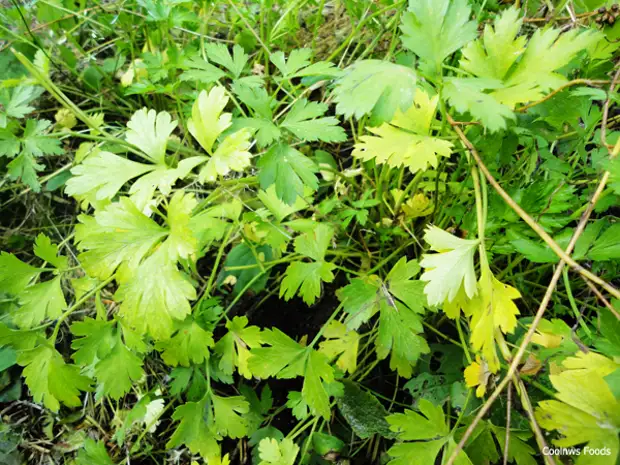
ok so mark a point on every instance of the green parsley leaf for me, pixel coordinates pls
(302, 120)
(118, 371)
(38, 302)
(46, 251)
(50, 379)
(15, 275)
(233, 346)
(190, 344)
(435, 29)
(375, 87)
(289, 170)
(93, 453)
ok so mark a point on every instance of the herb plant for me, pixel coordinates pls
(310, 232)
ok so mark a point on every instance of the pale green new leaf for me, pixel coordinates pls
(119, 233)
(448, 269)
(231, 155)
(341, 343)
(314, 243)
(435, 29)
(273, 452)
(155, 295)
(103, 174)
(38, 302)
(50, 379)
(207, 121)
(149, 131)
(375, 87)
(586, 410)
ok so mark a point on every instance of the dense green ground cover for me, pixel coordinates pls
(309, 232)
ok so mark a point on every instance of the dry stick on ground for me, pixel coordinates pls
(512, 370)
(574, 82)
(529, 220)
(508, 415)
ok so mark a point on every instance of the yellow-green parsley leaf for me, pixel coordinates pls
(46, 251)
(38, 302)
(93, 453)
(207, 121)
(341, 343)
(376, 87)
(15, 275)
(289, 170)
(149, 131)
(118, 234)
(586, 410)
(450, 268)
(490, 309)
(298, 64)
(181, 242)
(227, 413)
(234, 346)
(162, 178)
(430, 432)
(190, 344)
(155, 295)
(50, 379)
(435, 29)
(231, 155)
(406, 140)
(512, 71)
(274, 452)
(103, 174)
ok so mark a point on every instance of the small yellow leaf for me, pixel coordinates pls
(493, 308)
(477, 374)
